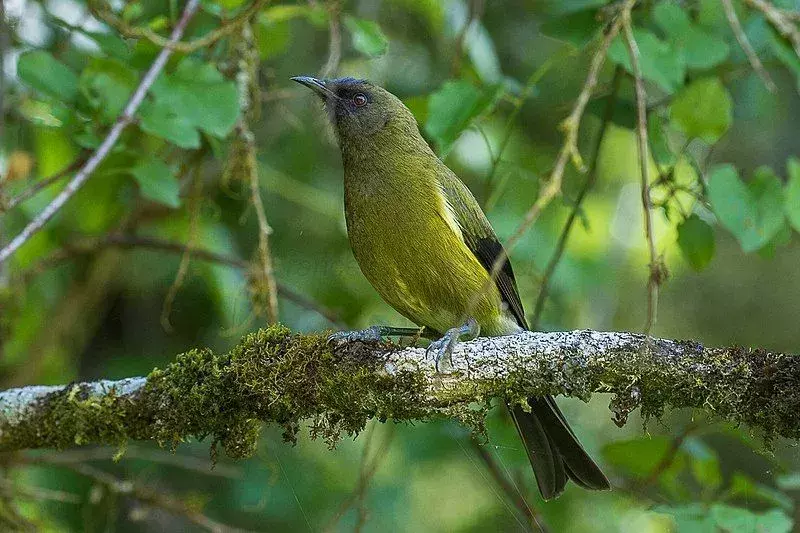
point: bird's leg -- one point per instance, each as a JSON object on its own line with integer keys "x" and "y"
{"x": 376, "y": 333}
{"x": 443, "y": 348}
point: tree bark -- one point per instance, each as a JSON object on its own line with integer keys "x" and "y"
{"x": 274, "y": 376}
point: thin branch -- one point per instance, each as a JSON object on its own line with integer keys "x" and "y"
{"x": 153, "y": 498}
{"x": 275, "y": 376}
{"x": 530, "y": 85}
{"x": 569, "y": 150}
{"x": 591, "y": 178}
{"x": 40, "y": 185}
{"x": 108, "y": 143}
{"x": 476, "y": 8}
{"x": 531, "y": 514}
{"x": 102, "y": 11}
{"x": 747, "y": 48}
{"x": 335, "y": 40}
{"x": 657, "y": 269}
{"x": 781, "y": 20}
{"x": 133, "y": 242}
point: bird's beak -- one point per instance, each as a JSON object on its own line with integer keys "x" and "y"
{"x": 316, "y": 85}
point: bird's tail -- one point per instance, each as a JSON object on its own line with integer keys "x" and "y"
{"x": 553, "y": 449}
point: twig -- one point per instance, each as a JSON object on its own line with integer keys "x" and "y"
{"x": 185, "y": 462}
{"x": 591, "y": 178}
{"x": 780, "y": 20}
{"x": 669, "y": 457}
{"x": 335, "y": 42}
{"x": 657, "y": 270}
{"x": 133, "y": 242}
{"x": 747, "y": 48}
{"x": 108, "y": 143}
{"x": 366, "y": 473}
{"x": 41, "y": 185}
{"x": 104, "y": 13}
{"x": 476, "y": 8}
{"x": 569, "y": 150}
{"x": 251, "y": 100}
{"x": 531, "y": 514}
{"x": 153, "y": 498}
{"x": 195, "y": 205}
{"x": 530, "y": 85}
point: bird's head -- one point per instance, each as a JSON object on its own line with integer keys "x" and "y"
{"x": 356, "y": 108}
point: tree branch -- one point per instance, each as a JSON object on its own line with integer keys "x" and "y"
{"x": 275, "y": 376}
{"x": 108, "y": 143}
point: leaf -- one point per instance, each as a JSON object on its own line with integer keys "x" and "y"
{"x": 43, "y": 72}
{"x": 577, "y": 28}
{"x": 559, "y": 7}
{"x": 747, "y": 490}
{"x": 753, "y": 212}
{"x": 692, "y": 518}
{"x": 701, "y": 50}
{"x": 696, "y": 241}
{"x": 785, "y": 53}
{"x": 195, "y": 95}
{"x": 703, "y": 110}
{"x": 162, "y": 121}
{"x": 659, "y": 61}
{"x": 107, "y": 84}
{"x": 272, "y": 38}
{"x": 737, "y": 520}
{"x": 367, "y": 36}
{"x": 704, "y": 462}
{"x": 792, "y": 204}
{"x": 659, "y": 146}
{"x": 452, "y": 108}
{"x": 157, "y": 182}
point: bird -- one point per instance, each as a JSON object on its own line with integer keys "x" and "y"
{"x": 423, "y": 242}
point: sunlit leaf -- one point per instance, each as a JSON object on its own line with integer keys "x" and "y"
{"x": 367, "y": 36}
{"x": 703, "y": 110}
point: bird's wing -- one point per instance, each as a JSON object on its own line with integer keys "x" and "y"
{"x": 481, "y": 240}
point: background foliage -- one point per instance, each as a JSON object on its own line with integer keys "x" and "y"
{"x": 165, "y": 247}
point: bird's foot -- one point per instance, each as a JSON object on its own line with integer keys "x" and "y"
{"x": 442, "y": 349}
{"x": 371, "y": 334}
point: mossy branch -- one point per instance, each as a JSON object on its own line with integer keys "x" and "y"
{"x": 275, "y": 376}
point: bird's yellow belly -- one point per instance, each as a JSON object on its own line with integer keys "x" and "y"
{"x": 422, "y": 267}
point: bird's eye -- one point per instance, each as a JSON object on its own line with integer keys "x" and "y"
{"x": 360, "y": 100}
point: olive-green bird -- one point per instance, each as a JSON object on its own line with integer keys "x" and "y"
{"x": 423, "y": 242}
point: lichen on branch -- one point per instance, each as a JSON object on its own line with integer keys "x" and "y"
{"x": 274, "y": 376}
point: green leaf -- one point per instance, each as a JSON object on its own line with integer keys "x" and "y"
{"x": 107, "y": 85}
{"x": 577, "y": 28}
{"x": 367, "y": 36}
{"x": 753, "y": 212}
{"x": 162, "y": 121}
{"x": 692, "y": 518}
{"x": 43, "y": 72}
{"x": 737, "y": 520}
{"x": 785, "y": 53}
{"x": 659, "y": 61}
{"x": 696, "y": 241}
{"x": 701, "y": 50}
{"x": 638, "y": 456}
{"x": 659, "y": 146}
{"x": 272, "y": 38}
{"x": 704, "y": 463}
{"x": 198, "y": 95}
{"x": 452, "y": 108}
{"x": 157, "y": 182}
{"x": 745, "y": 489}
{"x": 560, "y": 7}
{"x": 792, "y": 205}
{"x": 703, "y": 110}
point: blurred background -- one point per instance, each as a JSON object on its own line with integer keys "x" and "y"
{"x": 108, "y": 289}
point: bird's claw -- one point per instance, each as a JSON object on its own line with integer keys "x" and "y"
{"x": 371, "y": 334}
{"x": 442, "y": 350}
